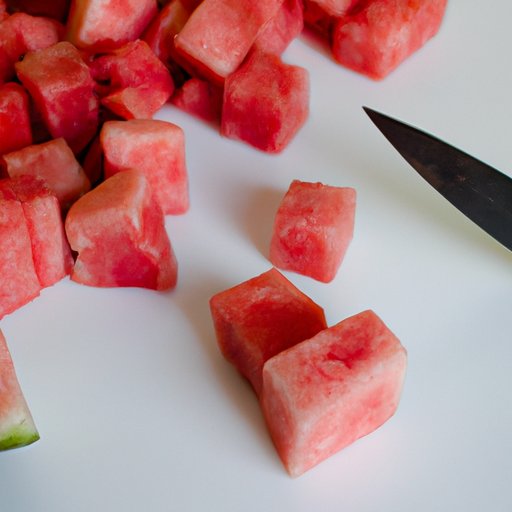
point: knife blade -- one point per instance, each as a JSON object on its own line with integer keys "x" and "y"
{"x": 479, "y": 191}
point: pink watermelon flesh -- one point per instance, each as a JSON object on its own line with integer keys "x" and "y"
{"x": 50, "y": 249}
{"x": 62, "y": 88}
{"x": 17, "y": 426}
{"x": 55, "y": 163}
{"x": 137, "y": 82}
{"x": 99, "y": 25}
{"x": 313, "y": 228}
{"x": 261, "y": 317}
{"x": 219, "y": 34}
{"x": 377, "y": 35}
{"x": 157, "y": 149}
{"x": 326, "y": 392}
{"x": 15, "y": 124}
{"x": 266, "y": 102}
{"x": 118, "y": 231}
{"x": 18, "y": 278}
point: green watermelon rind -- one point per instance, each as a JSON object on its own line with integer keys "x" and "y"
{"x": 18, "y": 436}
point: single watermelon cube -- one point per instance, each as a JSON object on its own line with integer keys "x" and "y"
{"x": 133, "y": 82}
{"x": 219, "y": 34}
{"x": 104, "y": 25}
{"x": 18, "y": 277}
{"x": 154, "y": 147}
{"x": 282, "y": 28}
{"x": 50, "y": 249}
{"x": 62, "y": 88}
{"x": 201, "y": 99}
{"x": 15, "y": 124}
{"x": 378, "y": 35}
{"x": 20, "y": 33}
{"x": 259, "y": 318}
{"x": 17, "y": 426}
{"x": 313, "y": 228}
{"x": 266, "y": 102}
{"x": 118, "y": 231}
{"x": 325, "y": 393}
{"x": 55, "y": 163}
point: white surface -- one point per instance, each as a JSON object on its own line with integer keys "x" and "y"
{"x": 136, "y": 408}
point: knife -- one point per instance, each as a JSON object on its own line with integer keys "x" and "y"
{"x": 479, "y": 191}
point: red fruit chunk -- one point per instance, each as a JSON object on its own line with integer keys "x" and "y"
{"x": 56, "y": 9}
{"x": 104, "y": 25}
{"x": 259, "y": 318}
{"x": 157, "y": 149}
{"x": 326, "y": 392}
{"x": 3, "y": 10}
{"x": 55, "y": 163}
{"x": 21, "y": 33}
{"x": 201, "y": 99}
{"x": 282, "y": 28}
{"x": 62, "y": 88}
{"x": 165, "y": 26}
{"x": 379, "y": 34}
{"x": 313, "y": 228}
{"x": 137, "y": 82}
{"x": 219, "y": 34}
{"x": 16, "y": 423}
{"x": 119, "y": 233}
{"x": 50, "y": 249}
{"x": 18, "y": 278}
{"x": 15, "y": 129}
{"x": 265, "y": 102}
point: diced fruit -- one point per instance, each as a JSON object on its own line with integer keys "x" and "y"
{"x": 259, "y": 318}
{"x": 313, "y": 228}
{"x": 282, "y": 28}
{"x": 15, "y": 128}
{"x": 154, "y": 147}
{"x": 50, "y": 249}
{"x": 201, "y": 99}
{"x": 378, "y": 35}
{"x": 104, "y": 25}
{"x": 325, "y": 393}
{"x": 17, "y": 426}
{"x": 219, "y": 34}
{"x": 18, "y": 278}
{"x": 20, "y": 33}
{"x": 62, "y": 88}
{"x": 118, "y": 231}
{"x": 56, "y": 9}
{"x": 266, "y": 102}
{"x": 133, "y": 82}
{"x": 55, "y": 163}
{"x": 165, "y": 26}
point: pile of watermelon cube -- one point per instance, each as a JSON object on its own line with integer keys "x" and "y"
{"x": 87, "y": 174}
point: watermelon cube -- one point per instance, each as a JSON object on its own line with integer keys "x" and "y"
{"x": 313, "y": 228}
{"x": 18, "y": 277}
{"x": 325, "y": 393}
{"x": 50, "y": 249}
{"x": 118, "y": 231}
{"x": 133, "y": 82}
{"x": 266, "y": 102}
{"x": 259, "y": 318}
{"x": 104, "y": 25}
{"x": 15, "y": 125}
{"x": 154, "y": 147}
{"x": 201, "y": 99}
{"x": 62, "y": 88}
{"x": 282, "y": 28}
{"x": 20, "y": 33}
{"x": 219, "y": 34}
{"x": 378, "y": 35}
{"x": 17, "y": 426}
{"x": 55, "y": 163}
